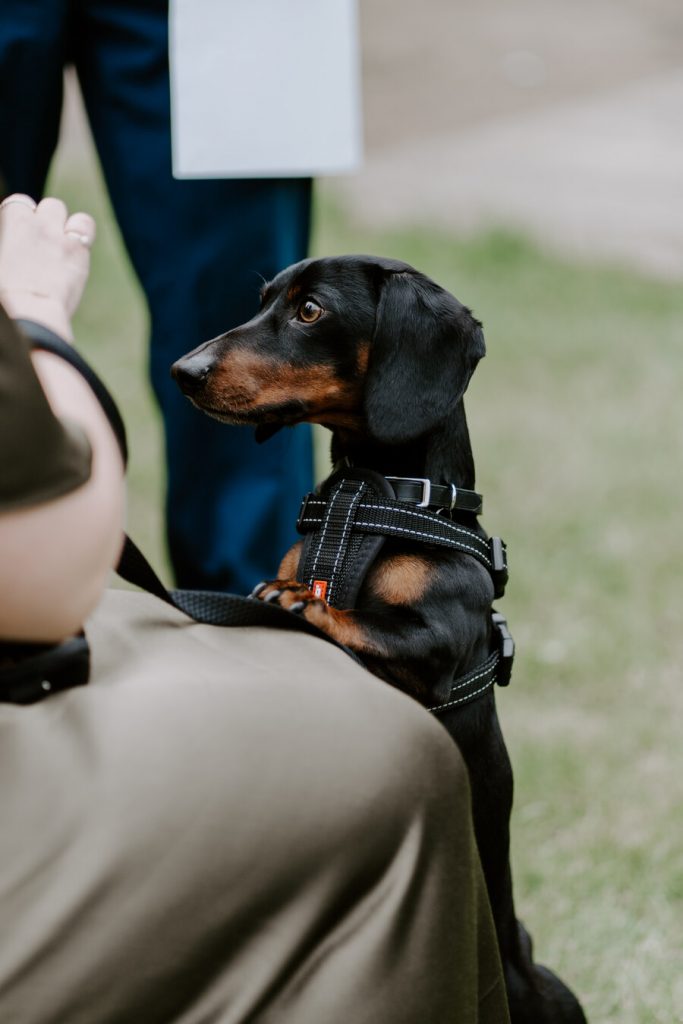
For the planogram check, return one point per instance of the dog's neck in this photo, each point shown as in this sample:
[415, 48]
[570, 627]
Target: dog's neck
[444, 455]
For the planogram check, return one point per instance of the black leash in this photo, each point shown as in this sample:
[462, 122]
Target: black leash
[213, 607]
[31, 672]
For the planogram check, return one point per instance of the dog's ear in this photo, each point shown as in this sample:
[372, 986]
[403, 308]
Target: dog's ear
[425, 348]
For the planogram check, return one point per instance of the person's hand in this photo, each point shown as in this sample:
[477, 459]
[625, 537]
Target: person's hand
[44, 260]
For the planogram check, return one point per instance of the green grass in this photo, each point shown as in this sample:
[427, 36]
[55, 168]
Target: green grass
[578, 438]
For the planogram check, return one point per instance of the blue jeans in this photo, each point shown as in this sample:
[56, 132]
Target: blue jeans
[200, 249]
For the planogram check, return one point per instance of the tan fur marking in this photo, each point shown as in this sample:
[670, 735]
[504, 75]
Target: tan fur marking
[401, 579]
[244, 381]
[342, 626]
[236, 382]
[363, 358]
[290, 563]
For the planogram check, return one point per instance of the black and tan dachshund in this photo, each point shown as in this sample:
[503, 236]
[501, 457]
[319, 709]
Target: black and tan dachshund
[381, 355]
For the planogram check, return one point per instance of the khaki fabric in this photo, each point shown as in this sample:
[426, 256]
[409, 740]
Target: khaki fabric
[231, 825]
[41, 457]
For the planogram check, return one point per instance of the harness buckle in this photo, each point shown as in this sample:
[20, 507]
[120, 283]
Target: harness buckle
[506, 648]
[499, 565]
[426, 487]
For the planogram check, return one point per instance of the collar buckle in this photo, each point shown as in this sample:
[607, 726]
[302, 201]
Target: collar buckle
[426, 487]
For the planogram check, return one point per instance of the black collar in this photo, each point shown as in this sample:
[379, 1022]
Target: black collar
[426, 494]
[422, 492]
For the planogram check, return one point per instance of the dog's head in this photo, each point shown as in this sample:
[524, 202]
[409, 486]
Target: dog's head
[355, 342]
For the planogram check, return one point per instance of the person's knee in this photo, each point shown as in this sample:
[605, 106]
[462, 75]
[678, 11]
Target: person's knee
[403, 771]
[424, 770]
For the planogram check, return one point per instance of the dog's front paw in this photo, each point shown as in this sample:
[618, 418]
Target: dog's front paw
[296, 597]
[290, 594]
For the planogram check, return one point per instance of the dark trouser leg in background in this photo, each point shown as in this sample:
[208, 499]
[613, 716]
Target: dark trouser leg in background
[34, 40]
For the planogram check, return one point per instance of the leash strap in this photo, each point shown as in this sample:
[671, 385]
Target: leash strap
[32, 672]
[211, 607]
[220, 609]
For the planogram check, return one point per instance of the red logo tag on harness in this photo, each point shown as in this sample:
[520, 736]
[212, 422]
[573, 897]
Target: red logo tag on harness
[319, 589]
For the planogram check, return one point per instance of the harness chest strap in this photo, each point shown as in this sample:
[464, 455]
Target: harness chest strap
[353, 509]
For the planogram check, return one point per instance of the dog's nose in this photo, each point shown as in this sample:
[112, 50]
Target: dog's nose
[191, 372]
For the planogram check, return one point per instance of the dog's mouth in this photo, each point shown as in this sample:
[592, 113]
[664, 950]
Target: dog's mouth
[262, 431]
[284, 414]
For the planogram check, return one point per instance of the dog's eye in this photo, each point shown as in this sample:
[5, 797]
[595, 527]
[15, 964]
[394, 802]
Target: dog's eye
[309, 311]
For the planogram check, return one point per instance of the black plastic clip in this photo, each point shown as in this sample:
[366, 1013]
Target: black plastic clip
[499, 562]
[506, 649]
[301, 528]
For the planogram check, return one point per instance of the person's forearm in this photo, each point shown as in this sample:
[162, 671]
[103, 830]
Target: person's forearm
[61, 511]
[55, 556]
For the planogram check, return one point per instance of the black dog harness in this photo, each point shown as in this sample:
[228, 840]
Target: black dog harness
[345, 524]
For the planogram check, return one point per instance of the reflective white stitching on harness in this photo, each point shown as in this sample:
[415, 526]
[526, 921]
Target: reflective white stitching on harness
[354, 501]
[323, 532]
[460, 700]
[479, 675]
[449, 526]
[468, 682]
[418, 533]
[427, 536]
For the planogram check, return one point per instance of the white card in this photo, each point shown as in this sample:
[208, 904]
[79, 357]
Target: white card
[265, 88]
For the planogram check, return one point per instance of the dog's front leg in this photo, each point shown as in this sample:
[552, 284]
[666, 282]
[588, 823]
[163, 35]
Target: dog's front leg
[395, 644]
[341, 625]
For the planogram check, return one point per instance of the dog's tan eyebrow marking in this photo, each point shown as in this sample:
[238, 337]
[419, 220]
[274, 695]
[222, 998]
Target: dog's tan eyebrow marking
[293, 292]
[363, 358]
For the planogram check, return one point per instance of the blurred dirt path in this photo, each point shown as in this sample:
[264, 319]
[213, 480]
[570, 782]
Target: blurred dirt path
[561, 120]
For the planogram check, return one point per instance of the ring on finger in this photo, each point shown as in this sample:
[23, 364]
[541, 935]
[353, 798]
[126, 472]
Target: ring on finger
[85, 240]
[21, 200]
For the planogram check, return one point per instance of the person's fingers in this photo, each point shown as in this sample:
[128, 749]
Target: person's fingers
[81, 227]
[16, 206]
[52, 211]
[19, 198]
